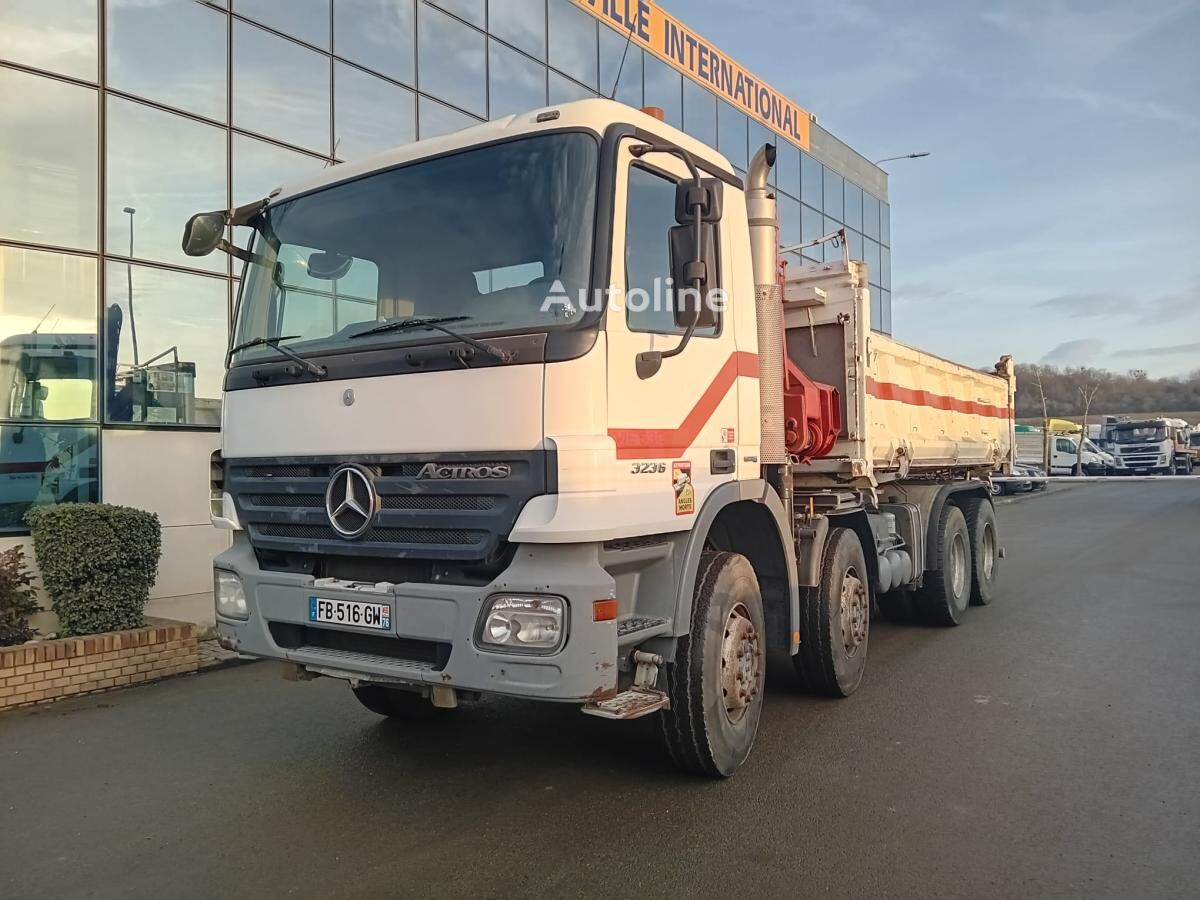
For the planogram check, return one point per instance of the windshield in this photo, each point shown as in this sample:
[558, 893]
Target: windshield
[486, 234]
[1140, 434]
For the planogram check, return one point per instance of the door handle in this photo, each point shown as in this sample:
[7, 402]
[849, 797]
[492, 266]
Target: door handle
[722, 462]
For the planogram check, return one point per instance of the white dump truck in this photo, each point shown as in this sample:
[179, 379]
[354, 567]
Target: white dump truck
[535, 409]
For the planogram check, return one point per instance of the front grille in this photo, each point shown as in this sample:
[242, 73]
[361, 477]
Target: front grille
[281, 504]
[385, 535]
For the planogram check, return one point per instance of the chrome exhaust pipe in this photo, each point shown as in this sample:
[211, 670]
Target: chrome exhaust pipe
[768, 300]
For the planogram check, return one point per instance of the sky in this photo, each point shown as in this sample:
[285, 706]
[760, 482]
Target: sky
[1058, 216]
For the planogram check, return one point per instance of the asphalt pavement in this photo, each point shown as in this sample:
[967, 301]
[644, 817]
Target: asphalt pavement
[1049, 747]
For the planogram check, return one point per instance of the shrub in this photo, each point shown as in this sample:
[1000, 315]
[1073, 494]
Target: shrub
[17, 599]
[98, 563]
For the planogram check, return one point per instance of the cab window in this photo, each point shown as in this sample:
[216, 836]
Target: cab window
[650, 214]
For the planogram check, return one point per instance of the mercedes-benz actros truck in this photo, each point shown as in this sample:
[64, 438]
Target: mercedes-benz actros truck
[537, 409]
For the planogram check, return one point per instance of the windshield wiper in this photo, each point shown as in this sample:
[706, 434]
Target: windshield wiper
[273, 343]
[436, 323]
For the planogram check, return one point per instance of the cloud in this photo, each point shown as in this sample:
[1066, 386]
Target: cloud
[1087, 305]
[923, 292]
[1114, 105]
[1172, 350]
[1074, 353]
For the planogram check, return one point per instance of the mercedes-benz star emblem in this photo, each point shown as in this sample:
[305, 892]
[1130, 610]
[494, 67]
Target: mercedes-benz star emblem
[351, 501]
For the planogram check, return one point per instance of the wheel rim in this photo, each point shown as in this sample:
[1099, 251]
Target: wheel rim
[853, 611]
[988, 553]
[741, 663]
[958, 565]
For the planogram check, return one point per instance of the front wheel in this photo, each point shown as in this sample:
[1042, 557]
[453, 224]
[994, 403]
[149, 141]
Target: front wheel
[836, 617]
[716, 682]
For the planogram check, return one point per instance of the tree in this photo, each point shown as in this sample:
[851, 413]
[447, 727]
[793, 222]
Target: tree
[1087, 394]
[1037, 379]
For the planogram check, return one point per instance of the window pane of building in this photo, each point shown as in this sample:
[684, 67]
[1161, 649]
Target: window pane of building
[280, 89]
[260, 167]
[435, 119]
[855, 242]
[56, 35]
[732, 134]
[173, 51]
[516, 82]
[164, 168]
[834, 203]
[171, 373]
[812, 224]
[47, 337]
[573, 42]
[564, 90]
[876, 310]
[451, 61]
[854, 205]
[885, 223]
[378, 34]
[871, 257]
[55, 464]
[787, 167]
[307, 20]
[699, 112]
[885, 303]
[812, 181]
[664, 89]
[468, 10]
[885, 267]
[613, 46]
[519, 23]
[48, 151]
[370, 114]
[870, 216]
[789, 221]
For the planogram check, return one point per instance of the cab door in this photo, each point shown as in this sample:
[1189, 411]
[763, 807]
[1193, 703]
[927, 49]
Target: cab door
[676, 431]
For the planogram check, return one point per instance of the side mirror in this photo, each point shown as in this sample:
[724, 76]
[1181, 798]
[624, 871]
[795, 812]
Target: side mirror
[708, 194]
[328, 266]
[203, 233]
[693, 270]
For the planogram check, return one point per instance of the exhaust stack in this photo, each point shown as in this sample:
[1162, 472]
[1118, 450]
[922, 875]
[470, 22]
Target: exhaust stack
[764, 251]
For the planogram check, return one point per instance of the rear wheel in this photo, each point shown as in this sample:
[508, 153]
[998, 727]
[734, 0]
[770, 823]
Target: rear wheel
[716, 681]
[985, 549]
[836, 620]
[946, 593]
[999, 488]
[395, 703]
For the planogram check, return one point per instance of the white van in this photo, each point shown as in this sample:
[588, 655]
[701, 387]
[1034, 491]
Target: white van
[1064, 454]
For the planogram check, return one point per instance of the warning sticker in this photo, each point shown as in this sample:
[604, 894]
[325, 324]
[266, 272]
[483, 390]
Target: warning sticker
[728, 435]
[685, 491]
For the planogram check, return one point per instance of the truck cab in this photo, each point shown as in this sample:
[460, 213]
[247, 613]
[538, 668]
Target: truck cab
[1149, 447]
[508, 411]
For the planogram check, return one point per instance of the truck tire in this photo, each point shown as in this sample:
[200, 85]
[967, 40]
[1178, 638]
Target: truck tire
[394, 703]
[985, 548]
[716, 681]
[836, 618]
[946, 593]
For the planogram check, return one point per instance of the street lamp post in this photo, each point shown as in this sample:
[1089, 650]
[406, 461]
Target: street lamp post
[919, 155]
[130, 211]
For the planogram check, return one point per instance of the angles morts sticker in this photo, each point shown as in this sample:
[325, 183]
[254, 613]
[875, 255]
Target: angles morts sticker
[685, 491]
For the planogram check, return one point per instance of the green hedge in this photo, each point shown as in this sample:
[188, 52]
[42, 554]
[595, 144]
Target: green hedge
[17, 599]
[98, 563]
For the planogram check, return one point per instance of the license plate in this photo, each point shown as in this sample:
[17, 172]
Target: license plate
[350, 612]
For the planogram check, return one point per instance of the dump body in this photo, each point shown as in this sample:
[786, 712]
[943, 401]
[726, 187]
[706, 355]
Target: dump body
[904, 411]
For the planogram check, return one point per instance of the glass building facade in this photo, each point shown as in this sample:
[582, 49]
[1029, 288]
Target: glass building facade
[123, 117]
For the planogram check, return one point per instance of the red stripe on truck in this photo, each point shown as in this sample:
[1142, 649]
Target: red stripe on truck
[883, 390]
[653, 443]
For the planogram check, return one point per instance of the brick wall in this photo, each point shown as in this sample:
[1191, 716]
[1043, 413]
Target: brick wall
[38, 673]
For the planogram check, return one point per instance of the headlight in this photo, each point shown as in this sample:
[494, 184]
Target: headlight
[529, 624]
[230, 595]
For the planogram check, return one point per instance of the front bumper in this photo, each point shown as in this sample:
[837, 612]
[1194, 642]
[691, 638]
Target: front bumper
[431, 640]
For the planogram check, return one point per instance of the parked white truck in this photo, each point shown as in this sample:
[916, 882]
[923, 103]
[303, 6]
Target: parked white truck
[464, 451]
[1151, 446]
